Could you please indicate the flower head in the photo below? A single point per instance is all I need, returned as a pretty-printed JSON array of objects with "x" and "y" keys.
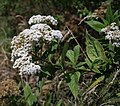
[
  {"x": 36, "y": 19},
  {"x": 112, "y": 34},
  {"x": 23, "y": 44}
]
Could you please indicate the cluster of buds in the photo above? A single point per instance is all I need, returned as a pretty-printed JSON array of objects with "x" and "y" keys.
[
  {"x": 22, "y": 44},
  {"x": 112, "y": 34}
]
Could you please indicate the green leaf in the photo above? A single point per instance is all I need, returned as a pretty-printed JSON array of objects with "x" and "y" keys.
[
  {"x": 59, "y": 102},
  {"x": 74, "y": 83},
  {"x": 109, "y": 14},
  {"x": 96, "y": 25},
  {"x": 40, "y": 84},
  {"x": 73, "y": 55},
  {"x": 80, "y": 64},
  {"x": 81, "y": 68},
  {"x": 94, "y": 49},
  {"x": 105, "y": 21},
  {"x": 29, "y": 96},
  {"x": 95, "y": 83},
  {"x": 118, "y": 94},
  {"x": 95, "y": 53},
  {"x": 76, "y": 53},
  {"x": 50, "y": 57},
  {"x": 64, "y": 51},
  {"x": 46, "y": 72},
  {"x": 88, "y": 62},
  {"x": 70, "y": 55},
  {"x": 54, "y": 46},
  {"x": 116, "y": 15},
  {"x": 94, "y": 69},
  {"x": 48, "y": 100},
  {"x": 100, "y": 51},
  {"x": 116, "y": 18},
  {"x": 98, "y": 63},
  {"x": 91, "y": 52},
  {"x": 111, "y": 47}
]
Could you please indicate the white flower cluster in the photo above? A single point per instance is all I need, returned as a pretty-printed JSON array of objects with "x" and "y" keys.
[
  {"x": 22, "y": 44},
  {"x": 42, "y": 19},
  {"x": 112, "y": 34},
  {"x": 46, "y": 30}
]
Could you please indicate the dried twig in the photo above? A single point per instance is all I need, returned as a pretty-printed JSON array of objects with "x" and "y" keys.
[
  {"x": 77, "y": 41},
  {"x": 117, "y": 72}
]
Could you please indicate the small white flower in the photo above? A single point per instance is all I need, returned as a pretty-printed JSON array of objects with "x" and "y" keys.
[
  {"x": 20, "y": 52},
  {"x": 105, "y": 30},
  {"x": 112, "y": 34},
  {"x": 117, "y": 44},
  {"x": 41, "y": 27},
  {"x": 20, "y": 62},
  {"x": 36, "y": 19},
  {"x": 48, "y": 37},
  {"x": 56, "y": 34},
  {"x": 30, "y": 69}
]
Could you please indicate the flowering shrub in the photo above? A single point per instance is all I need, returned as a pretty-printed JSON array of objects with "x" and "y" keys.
[
  {"x": 82, "y": 77},
  {"x": 23, "y": 44},
  {"x": 112, "y": 34}
]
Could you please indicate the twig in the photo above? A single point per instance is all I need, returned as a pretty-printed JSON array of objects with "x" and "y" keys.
[
  {"x": 60, "y": 82},
  {"x": 77, "y": 42},
  {"x": 91, "y": 91},
  {"x": 65, "y": 36},
  {"x": 88, "y": 16},
  {"x": 117, "y": 72}
]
